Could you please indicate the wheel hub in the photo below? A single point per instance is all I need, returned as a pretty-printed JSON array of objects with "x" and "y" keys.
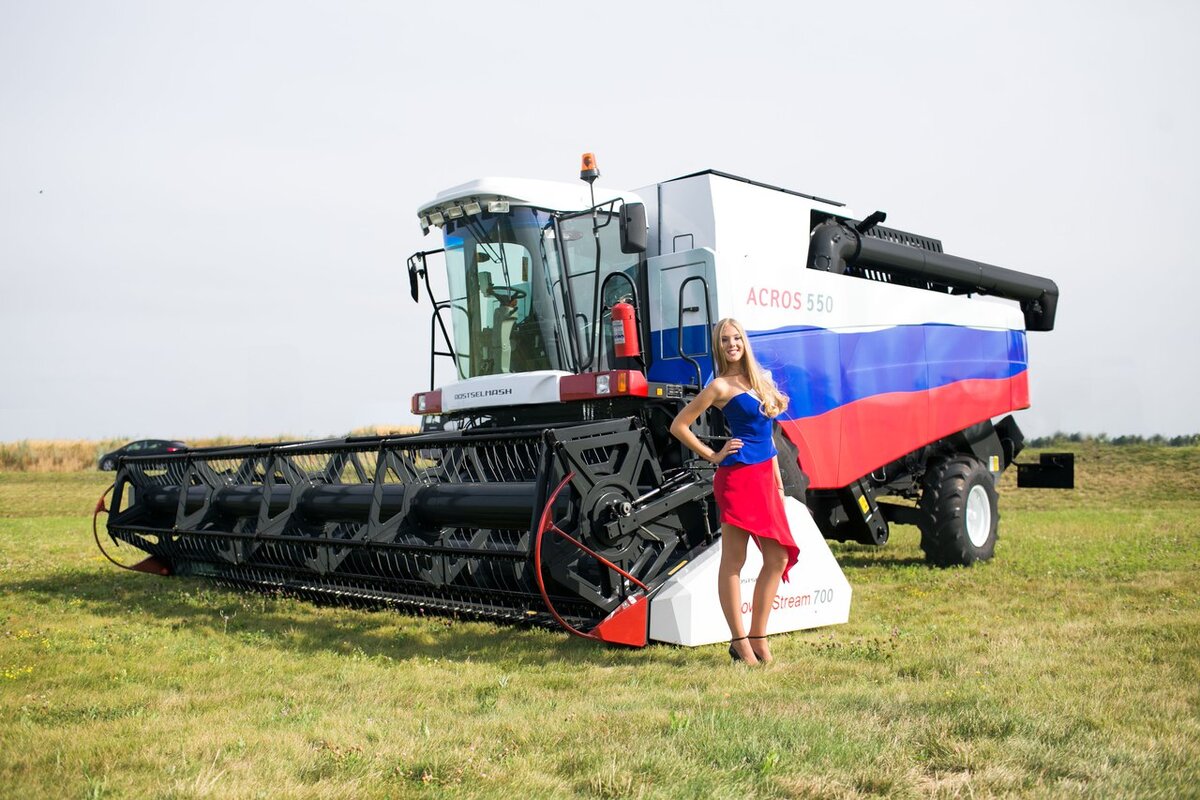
[{"x": 979, "y": 515}]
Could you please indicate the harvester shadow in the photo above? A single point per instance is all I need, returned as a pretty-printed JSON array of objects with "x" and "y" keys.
[
  {"x": 168, "y": 605},
  {"x": 867, "y": 559}
]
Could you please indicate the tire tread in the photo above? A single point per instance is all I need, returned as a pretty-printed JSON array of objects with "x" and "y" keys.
[{"x": 943, "y": 503}]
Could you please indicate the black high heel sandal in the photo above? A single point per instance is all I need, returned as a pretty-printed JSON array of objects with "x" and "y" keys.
[
  {"x": 756, "y": 655},
  {"x": 733, "y": 653}
]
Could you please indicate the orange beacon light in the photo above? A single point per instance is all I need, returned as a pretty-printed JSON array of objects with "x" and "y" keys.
[{"x": 588, "y": 171}]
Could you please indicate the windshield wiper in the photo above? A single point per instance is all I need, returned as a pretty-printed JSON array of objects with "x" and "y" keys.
[{"x": 480, "y": 236}]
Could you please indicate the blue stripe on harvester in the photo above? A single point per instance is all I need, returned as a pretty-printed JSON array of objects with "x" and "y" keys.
[
  {"x": 671, "y": 368},
  {"x": 820, "y": 369}
]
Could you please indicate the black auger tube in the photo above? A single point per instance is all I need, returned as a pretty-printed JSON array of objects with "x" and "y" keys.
[
  {"x": 836, "y": 245},
  {"x": 491, "y": 505}
]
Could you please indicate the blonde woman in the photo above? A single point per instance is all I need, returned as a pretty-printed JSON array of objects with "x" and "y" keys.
[{"x": 748, "y": 487}]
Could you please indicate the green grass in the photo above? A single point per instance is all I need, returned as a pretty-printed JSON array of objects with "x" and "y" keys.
[{"x": 1066, "y": 667}]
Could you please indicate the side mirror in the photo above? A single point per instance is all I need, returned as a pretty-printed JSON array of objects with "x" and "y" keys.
[
  {"x": 412, "y": 274},
  {"x": 634, "y": 233}
]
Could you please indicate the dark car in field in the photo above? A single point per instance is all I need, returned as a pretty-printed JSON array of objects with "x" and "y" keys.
[{"x": 142, "y": 447}]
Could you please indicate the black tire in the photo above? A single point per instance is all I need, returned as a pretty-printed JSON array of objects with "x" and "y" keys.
[
  {"x": 960, "y": 518},
  {"x": 108, "y": 465},
  {"x": 795, "y": 482}
]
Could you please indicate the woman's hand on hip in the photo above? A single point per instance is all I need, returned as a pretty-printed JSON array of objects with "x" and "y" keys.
[{"x": 731, "y": 447}]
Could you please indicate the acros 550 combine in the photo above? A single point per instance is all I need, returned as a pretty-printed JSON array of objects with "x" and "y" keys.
[{"x": 544, "y": 485}]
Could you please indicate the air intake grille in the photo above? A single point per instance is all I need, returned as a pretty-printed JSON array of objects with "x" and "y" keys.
[{"x": 903, "y": 237}]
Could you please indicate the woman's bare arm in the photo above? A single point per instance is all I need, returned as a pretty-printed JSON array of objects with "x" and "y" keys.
[{"x": 681, "y": 426}]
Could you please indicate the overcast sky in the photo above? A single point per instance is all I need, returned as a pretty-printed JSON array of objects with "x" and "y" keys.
[{"x": 205, "y": 208}]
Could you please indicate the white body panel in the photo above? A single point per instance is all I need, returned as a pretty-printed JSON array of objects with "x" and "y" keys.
[
  {"x": 502, "y": 390},
  {"x": 670, "y": 271},
  {"x": 729, "y": 216},
  {"x": 686, "y": 610},
  {"x": 767, "y": 292},
  {"x": 759, "y": 242}
]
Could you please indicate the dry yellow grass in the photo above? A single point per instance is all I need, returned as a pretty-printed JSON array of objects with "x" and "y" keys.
[
  {"x": 54, "y": 455},
  {"x": 78, "y": 455}
]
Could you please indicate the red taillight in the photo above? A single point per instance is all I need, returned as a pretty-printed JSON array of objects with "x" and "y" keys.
[
  {"x": 427, "y": 402},
  {"x": 590, "y": 385},
  {"x": 172, "y": 449}
]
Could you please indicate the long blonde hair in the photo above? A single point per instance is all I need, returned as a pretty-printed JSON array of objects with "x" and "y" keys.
[{"x": 774, "y": 402}]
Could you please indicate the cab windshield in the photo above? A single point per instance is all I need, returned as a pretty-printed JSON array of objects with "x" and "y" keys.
[
  {"x": 511, "y": 309},
  {"x": 503, "y": 302}
]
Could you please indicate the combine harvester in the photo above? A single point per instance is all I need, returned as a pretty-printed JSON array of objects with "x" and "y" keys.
[{"x": 544, "y": 486}]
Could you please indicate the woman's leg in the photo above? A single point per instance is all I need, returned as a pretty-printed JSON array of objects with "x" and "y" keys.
[
  {"x": 775, "y": 559},
  {"x": 729, "y": 586}
]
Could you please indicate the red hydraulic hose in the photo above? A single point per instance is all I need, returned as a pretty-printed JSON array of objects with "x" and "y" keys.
[
  {"x": 147, "y": 565},
  {"x": 100, "y": 507},
  {"x": 546, "y": 523}
]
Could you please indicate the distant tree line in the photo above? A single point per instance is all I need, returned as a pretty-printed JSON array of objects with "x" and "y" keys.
[{"x": 1157, "y": 440}]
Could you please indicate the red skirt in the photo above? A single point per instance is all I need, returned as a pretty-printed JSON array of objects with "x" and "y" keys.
[{"x": 747, "y": 499}]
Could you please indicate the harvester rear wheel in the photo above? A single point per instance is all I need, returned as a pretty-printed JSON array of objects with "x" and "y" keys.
[{"x": 960, "y": 518}]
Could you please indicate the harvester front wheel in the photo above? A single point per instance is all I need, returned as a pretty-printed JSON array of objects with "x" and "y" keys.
[{"x": 960, "y": 518}]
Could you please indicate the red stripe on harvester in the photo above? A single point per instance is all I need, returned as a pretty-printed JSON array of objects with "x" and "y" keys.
[{"x": 844, "y": 444}]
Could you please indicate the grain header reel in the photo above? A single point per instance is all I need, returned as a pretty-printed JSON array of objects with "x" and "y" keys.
[{"x": 451, "y": 522}]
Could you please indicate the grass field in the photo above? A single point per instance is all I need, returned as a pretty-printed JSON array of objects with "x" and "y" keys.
[{"x": 1067, "y": 667}]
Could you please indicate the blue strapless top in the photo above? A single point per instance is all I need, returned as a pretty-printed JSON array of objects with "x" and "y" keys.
[{"x": 748, "y": 423}]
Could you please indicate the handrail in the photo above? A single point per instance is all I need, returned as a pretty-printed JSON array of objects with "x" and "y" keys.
[{"x": 708, "y": 319}]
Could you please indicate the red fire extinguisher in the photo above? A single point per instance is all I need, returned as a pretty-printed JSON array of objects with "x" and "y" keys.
[{"x": 624, "y": 326}]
